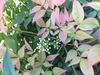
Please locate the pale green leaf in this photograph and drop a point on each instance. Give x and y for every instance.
(84, 47)
(94, 5)
(85, 54)
(81, 35)
(76, 60)
(21, 51)
(77, 12)
(86, 70)
(58, 71)
(48, 72)
(94, 55)
(70, 55)
(47, 64)
(89, 24)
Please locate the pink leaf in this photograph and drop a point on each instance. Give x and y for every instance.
(51, 57)
(35, 9)
(2, 27)
(63, 36)
(57, 13)
(18, 65)
(71, 17)
(36, 1)
(55, 2)
(1, 7)
(0, 65)
(40, 22)
(66, 15)
(27, 45)
(53, 18)
(21, 51)
(41, 31)
(45, 34)
(60, 2)
(42, 2)
(38, 15)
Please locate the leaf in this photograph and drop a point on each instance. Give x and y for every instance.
(63, 36)
(38, 15)
(14, 60)
(84, 47)
(45, 34)
(0, 66)
(47, 64)
(36, 1)
(37, 70)
(70, 55)
(85, 54)
(58, 71)
(27, 45)
(47, 72)
(53, 18)
(18, 65)
(94, 55)
(66, 15)
(51, 57)
(86, 70)
(92, 14)
(21, 51)
(80, 35)
(1, 7)
(35, 9)
(89, 24)
(42, 2)
(57, 13)
(77, 12)
(60, 2)
(26, 73)
(41, 31)
(40, 22)
(94, 5)
(8, 68)
(74, 61)
(41, 56)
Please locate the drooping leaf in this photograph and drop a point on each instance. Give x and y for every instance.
(47, 72)
(74, 61)
(45, 34)
(94, 54)
(35, 9)
(86, 70)
(41, 56)
(84, 47)
(27, 45)
(77, 12)
(21, 51)
(81, 35)
(8, 68)
(89, 24)
(94, 5)
(38, 15)
(70, 55)
(51, 57)
(58, 71)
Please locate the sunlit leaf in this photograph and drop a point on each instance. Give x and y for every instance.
(74, 61)
(36, 1)
(35, 9)
(89, 24)
(21, 51)
(70, 55)
(84, 47)
(1, 7)
(86, 70)
(94, 55)
(77, 12)
(85, 54)
(51, 57)
(38, 15)
(58, 71)
(81, 35)
(95, 5)
(48, 72)
(8, 68)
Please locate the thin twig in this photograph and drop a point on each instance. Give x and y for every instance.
(74, 70)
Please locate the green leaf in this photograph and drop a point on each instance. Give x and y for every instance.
(92, 14)
(89, 24)
(77, 12)
(70, 55)
(94, 55)
(86, 70)
(82, 1)
(76, 60)
(85, 54)
(48, 72)
(47, 64)
(84, 47)
(58, 71)
(98, 15)
(21, 51)
(8, 68)
(80, 35)
(94, 5)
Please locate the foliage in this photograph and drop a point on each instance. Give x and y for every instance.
(49, 37)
